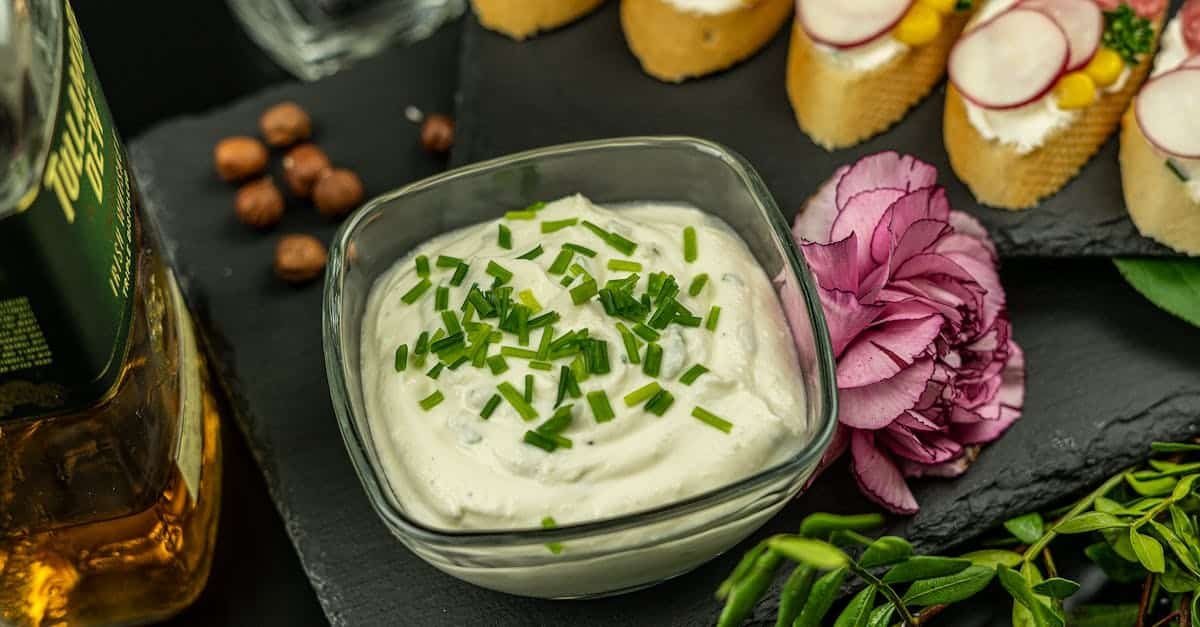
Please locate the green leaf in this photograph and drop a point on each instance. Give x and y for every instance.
(1183, 524)
(858, 610)
(743, 567)
(1103, 615)
(1056, 588)
(1173, 468)
(1195, 610)
(1177, 580)
(924, 567)
(882, 616)
(808, 551)
(1174, 447)
(1177, 546)
(821, 524)
(794, 594)
(1091, 521)
(824, 591)
(1184, 487)
(1029, 610)
(1149, 552)
(1171, 284)
(749, 590)
(1118, 539)
(1109, 506)
(1151, 487)
(1027, 528)
(884, 551)
(1116, 567)
(991, 557)
(949, 589)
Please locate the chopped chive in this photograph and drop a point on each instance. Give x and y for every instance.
(422, 266)
(442, 298)
(632, 345)
(558, 422)
(446, 261)
(624, 265)
(528, 388)
(541, 365)
(451, 322)
(554, 547)
(561, 262)
(416, 291)
(479, 351)
(490, 407)
(614, 240)
(437, 335)
(517, 400)
(502, 274)
(576, 248)
(660, 403)
(540, 441)
(687, 320)
(457, 363)
(447, 342)
(584, 292)
(401, 360)
(567, 280)
(653, 365)
(504, 237)
(565, 386)
(548, 318)
(550, 226)
(712, 419)
(697, 285)
(522, 314)
(601, 409)
(495, 337)
(468, 313)
(645, 332)
(526, 296)
(543, 351)
(579, 368)
(536, 206)
(497, 364)
(422, 343)
(690, 248)
(477, 300)
(436, 370)
(578, 270)
(533, 253)
(642, 394)
(714, 316)
(692, 374)
(521, 215)
(433, 400)
(460, 273)
(596, 354)
(664, 315)
(522, 353)
(1175, 169)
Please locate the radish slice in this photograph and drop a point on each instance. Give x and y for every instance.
(1193, 61)
(1168, 110)
(1010, 61)
(1081, 20)
(845, 24)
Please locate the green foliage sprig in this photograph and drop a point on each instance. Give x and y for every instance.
(1127, 34)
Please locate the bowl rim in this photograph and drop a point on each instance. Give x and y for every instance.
(408, 528)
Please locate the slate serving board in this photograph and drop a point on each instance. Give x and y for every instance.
(582, 82)
(1108, 372)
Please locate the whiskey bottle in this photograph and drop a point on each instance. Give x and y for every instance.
(110, 462)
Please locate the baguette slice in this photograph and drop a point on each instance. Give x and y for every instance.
(839, 108)
(523, 18)
(1001, 177)
(1157, 200)
(674, 45)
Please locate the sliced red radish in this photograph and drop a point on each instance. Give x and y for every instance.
(1010, 61)
(1168, 111)
(1192, 61)
(1190, 14)
(1081, 20)
(844, 24)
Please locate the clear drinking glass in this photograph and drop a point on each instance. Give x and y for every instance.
(314, 38)
(625, 552)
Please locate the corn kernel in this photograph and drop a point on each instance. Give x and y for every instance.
(945, 7)
(1105, 68)
(919, 26)
(1075, 91)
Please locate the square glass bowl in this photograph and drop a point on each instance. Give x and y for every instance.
(625, 552)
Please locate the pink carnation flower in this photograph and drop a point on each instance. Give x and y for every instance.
(926, 366)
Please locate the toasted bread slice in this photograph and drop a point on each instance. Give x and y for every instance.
(1001, 177)
(522, 18)
(1159, 203)
(839, 107)
(674, 45)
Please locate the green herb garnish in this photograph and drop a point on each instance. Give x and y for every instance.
(413, 294)
(497, 364)
(528, 388)
(529, 300)
(422, 266)
(502, 274)
(521, 353)
(550, 317)
(624, 265)
(543, 351)
(561, 262)
(490, 407)
(645, 332)
(576, 248)
(697, 285)
(692, 374)
(632, 344)
(566, 386)
(691, 250)
(401, 361)
(714, 316)
(653, 364)
(555, 547)
(1179, 174)
(642, 394)
(660, 403)
(624, 246)
(446, 343)
(504, 237)
(521, 215)
(431, 401)
(584, 292)
(541, 365)
(441, 298)
(558, 422)
(446, 261)
(517, 400)
(1127, 34)
(436, 371)
(451, 322)
(460, 273)
(540, 441)
(457, 363)
(601, 409)
(557, 225)
(533, 253)
(712, 419)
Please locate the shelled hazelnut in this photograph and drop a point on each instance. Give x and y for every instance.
(239, 157)
(302, 166)
(337, 192)
(437, 133)
(259, 203)
(299, 258)
(285, 124)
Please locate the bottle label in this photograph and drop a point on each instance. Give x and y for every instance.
(66, 257)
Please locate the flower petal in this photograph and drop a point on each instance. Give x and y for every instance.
(926, 448)
(861, 215)
(884, 350)
(875, 406)
(884, 170)
(814, 221)
(878, 477)
(845, 316)
(1004, 409)
(927, 203)
(834, 264)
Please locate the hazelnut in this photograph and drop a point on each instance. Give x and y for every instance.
(259, 204)
(437, 133)
(299, 258)
(239, 157)
(285, 124)
(337, 192)
(302, 166)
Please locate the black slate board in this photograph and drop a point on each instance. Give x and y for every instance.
(1109, 373)
(582, 83)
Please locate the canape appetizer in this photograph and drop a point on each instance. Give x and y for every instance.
(1037, 86)
(855, 68)
(679, 39)
(1160, 141)
(524, 18)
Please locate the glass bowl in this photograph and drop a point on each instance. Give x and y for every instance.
(621, 553)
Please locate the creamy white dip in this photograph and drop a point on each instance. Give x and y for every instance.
(450, 468)
(866, 57)
(1173, 51)
(707, 7)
